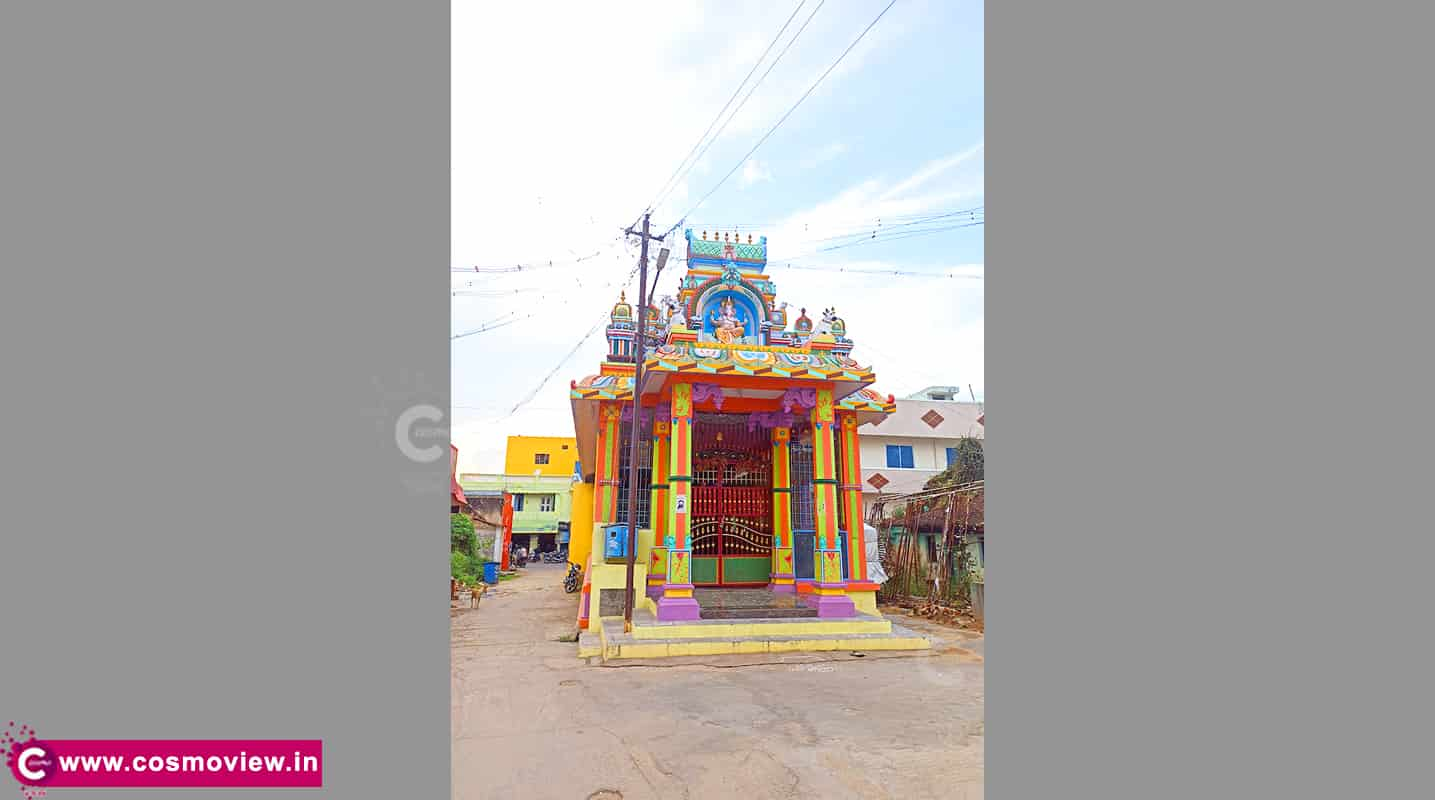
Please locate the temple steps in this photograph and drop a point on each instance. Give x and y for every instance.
(653, 639)
(645, 626)
(612, 644)
(799, 612)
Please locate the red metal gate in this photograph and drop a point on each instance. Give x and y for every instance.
(732, 504)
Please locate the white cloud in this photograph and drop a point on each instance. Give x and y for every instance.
(935, 168)
(755, 171)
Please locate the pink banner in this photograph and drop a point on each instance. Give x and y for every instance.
(164, 763)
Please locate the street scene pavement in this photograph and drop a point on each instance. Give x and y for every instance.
(532, 720)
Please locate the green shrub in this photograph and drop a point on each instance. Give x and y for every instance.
(460, 566)
(460, 538)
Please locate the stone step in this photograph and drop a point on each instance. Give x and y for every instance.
(646, 627)
(617, 646)
(798, 612)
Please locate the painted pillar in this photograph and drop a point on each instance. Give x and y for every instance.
(677, 601)
(782, 580)
(851, 495)
(605, 507)
(658, 505)
(829, 592)
(605, 493)
(507, 537)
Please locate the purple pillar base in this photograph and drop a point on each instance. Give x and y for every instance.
(830, 606)
(655, 590)
(781, 588)
(684, 609)
(833, 606)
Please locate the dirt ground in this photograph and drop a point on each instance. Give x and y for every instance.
(532, 720)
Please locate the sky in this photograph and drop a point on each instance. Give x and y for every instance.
(569, 119)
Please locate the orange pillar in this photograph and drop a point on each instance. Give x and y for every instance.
(658, 507)
(851, 496)
(507, 516)
(677, 602)
(782, 579)
(605, 493)
(829, 591)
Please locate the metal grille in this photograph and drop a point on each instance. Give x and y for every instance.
(645, 476)
(801, 466)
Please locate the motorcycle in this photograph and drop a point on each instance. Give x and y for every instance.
(574, 581)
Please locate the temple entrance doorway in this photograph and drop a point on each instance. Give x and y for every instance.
(732, 502)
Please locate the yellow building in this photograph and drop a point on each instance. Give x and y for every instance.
(538, 472)
(541, 455)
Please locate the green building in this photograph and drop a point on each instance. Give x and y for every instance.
(542, 506)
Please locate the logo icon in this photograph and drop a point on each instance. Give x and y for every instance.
(31, 761)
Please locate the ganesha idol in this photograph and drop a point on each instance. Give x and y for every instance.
(727, 326)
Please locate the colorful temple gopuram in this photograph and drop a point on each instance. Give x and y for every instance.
(749, 507)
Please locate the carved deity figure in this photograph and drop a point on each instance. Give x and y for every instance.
(676, 319)
(727, 326)
(778, 316)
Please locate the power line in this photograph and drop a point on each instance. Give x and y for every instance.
(794, 107)
(537, 264)
(899, 272)
(887, 235)
(899, 237)
(859, 227)
(872, 271)
(877, 228)
(662, 192)
(571, 353)
(748, 96)
(850, 221)
(493, 292)
(491, 325)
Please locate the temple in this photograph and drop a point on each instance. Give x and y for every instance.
(749, 475)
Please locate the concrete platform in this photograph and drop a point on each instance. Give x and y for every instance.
(653, 639)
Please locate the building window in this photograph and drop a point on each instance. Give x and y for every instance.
(899, 456)
(547, 502)
(952, 457)
(518, 502)
(540, 458)
(565, 447)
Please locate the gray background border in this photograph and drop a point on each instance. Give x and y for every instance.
(225, 239)
(1209, 345)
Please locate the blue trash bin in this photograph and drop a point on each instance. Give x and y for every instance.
(490, 572)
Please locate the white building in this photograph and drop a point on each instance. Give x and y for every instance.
(919, 440)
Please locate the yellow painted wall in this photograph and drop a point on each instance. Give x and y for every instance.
(580, 541)
(518, 459)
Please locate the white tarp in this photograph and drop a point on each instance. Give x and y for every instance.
(875, 573)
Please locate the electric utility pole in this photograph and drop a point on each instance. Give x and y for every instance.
(640, 347)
